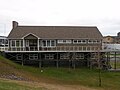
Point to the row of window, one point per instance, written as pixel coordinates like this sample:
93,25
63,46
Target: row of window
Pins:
50,56
50,43
77,41
16,43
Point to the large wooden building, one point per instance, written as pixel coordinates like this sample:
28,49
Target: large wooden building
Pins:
54,45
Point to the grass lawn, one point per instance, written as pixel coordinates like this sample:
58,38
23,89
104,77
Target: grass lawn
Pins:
62,76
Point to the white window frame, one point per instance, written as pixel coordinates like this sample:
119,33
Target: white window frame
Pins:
64,56
49,56
27,43
19,57
50,43
80,41
80,56
33,56
64,41
90,41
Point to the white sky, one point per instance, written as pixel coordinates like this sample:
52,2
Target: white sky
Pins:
105,14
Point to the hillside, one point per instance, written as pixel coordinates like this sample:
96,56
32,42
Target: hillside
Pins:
14,76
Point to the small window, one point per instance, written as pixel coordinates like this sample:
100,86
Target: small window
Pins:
93,55
64,41
64,56
49,56
33,56
19,57
80,56
75,41
90,41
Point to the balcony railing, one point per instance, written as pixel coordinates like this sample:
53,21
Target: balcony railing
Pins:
60,48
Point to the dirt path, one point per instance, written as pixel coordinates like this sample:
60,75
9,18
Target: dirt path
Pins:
49,86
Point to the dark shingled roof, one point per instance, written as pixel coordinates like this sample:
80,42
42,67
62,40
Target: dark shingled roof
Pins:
56,32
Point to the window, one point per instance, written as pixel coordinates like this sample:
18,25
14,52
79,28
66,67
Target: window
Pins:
93,55
21,43
33,56
79,41
48,43
44,43
52,43
90,41
49,56
80,56
13,43
17,43
64,41
27,43
64,56
19,57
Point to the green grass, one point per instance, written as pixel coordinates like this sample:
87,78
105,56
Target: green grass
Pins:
81,76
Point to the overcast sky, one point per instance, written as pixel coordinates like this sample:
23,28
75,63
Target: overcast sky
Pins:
105,14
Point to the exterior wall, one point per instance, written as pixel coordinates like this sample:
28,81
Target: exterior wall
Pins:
108,39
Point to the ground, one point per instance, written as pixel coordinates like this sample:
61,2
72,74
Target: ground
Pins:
16,77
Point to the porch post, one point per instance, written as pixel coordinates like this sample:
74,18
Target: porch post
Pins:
23,45
38,44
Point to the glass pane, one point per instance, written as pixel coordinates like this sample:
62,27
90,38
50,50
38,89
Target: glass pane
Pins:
52,43
48,43
13,43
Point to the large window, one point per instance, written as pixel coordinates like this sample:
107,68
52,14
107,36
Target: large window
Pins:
48,43
13,43
16,43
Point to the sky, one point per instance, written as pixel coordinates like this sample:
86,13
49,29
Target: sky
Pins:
104,14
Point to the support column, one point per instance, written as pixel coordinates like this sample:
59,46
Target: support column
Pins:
38,44
23,45
23,58
40,64
57,61
115,61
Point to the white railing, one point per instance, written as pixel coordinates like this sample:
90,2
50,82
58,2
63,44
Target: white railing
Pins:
3,48
59,48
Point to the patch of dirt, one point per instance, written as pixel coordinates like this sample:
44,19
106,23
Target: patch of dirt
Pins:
49,86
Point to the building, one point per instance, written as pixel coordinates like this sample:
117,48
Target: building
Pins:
3,43
56,45
112,39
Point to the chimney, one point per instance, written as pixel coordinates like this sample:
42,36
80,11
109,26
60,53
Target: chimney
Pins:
118,34
15,24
